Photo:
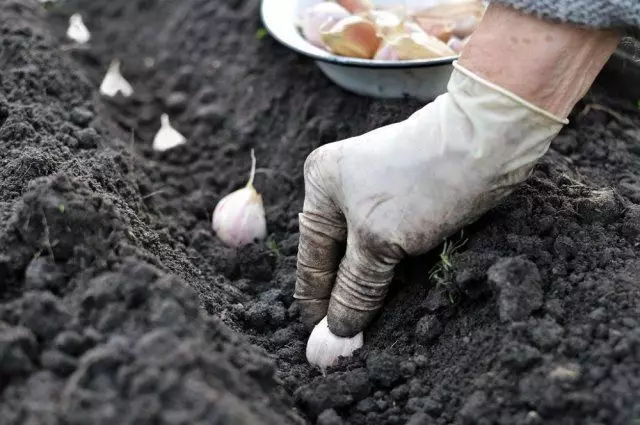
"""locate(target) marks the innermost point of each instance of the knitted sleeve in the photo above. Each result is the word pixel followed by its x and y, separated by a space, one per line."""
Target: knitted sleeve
pixel 619 14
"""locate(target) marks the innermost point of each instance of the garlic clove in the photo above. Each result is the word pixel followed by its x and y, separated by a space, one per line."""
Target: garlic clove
pixel 239 218
pixel 114 83
pixel 356 6
pixel 442 30
pixel 413 46
pixel 453 9
pixel 410 27
pixel 352 36
pixel 386 22
pixel 456 44
pixel 324 348
pixel 463 28
pixel 461 17
pixel 316 17
pixel 77 30
pixel 167 137
pixel 387 52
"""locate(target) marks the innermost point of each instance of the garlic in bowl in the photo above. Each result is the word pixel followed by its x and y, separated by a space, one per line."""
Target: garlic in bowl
pixel 378 48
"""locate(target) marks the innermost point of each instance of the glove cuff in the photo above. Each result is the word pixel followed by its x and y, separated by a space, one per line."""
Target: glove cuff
pixel 507 93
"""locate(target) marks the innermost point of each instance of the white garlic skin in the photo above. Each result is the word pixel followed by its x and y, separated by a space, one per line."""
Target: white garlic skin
pixel 316 17
pixel 456 44
pixel 387 52
pixel 114 83
pixel 324 347
pixel 239 218
pixel 77 30
pixel 167 137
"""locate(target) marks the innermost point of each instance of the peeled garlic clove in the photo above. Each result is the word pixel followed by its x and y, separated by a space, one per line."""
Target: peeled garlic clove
pixel 114 83
pixel 353 36
pixel 77 30
pixel 167 137
pixel 356 6
pixel 316 17
pixel 239 218
pixel 386 22
pixel 324 348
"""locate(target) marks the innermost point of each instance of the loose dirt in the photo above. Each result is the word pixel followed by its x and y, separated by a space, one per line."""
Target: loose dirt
pixel 119 306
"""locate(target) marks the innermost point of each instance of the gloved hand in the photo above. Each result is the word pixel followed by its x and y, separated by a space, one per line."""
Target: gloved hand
pixel 401 189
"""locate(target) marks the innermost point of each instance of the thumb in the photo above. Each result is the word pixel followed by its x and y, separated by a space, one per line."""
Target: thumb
pixel 361 285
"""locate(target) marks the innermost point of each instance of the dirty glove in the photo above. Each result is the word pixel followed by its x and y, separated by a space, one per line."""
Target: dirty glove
pixel 401 189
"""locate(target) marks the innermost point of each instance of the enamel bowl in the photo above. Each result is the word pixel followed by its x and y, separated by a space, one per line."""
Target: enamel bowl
pixel 423 79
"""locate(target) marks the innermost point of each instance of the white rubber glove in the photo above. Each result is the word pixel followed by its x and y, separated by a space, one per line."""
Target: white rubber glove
pixel 401 189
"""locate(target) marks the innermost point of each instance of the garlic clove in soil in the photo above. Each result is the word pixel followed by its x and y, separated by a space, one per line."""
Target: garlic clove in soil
pixel 77 30
pixel 324 348
pixel 239 218
pixel 316 17
pixel 114 83
pixel 353 36
pixel 167 137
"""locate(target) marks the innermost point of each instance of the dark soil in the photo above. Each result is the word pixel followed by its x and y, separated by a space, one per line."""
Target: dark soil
pixel 119 306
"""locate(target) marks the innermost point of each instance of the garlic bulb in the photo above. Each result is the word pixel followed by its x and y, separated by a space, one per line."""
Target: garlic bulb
pixel 316 17
pixel 77 30
pixel 167 137
pixel 114 82
pixel 239 218
pixel 352 36
pixel 324 348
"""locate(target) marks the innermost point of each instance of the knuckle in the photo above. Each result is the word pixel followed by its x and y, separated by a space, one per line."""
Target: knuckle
pixel 323 160
pixel 320 183
pixel 314 161
pixel 383 247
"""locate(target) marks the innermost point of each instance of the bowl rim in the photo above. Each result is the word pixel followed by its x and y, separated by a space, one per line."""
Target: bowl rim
pixel 348 61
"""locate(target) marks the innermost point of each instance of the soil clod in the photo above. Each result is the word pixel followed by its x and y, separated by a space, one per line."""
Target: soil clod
pixel 517 282
pixel 118 305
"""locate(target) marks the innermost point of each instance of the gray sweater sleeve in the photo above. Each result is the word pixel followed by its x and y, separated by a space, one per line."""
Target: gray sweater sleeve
pixel 619 14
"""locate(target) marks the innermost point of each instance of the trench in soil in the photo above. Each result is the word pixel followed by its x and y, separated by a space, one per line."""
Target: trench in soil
pixel 118 305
